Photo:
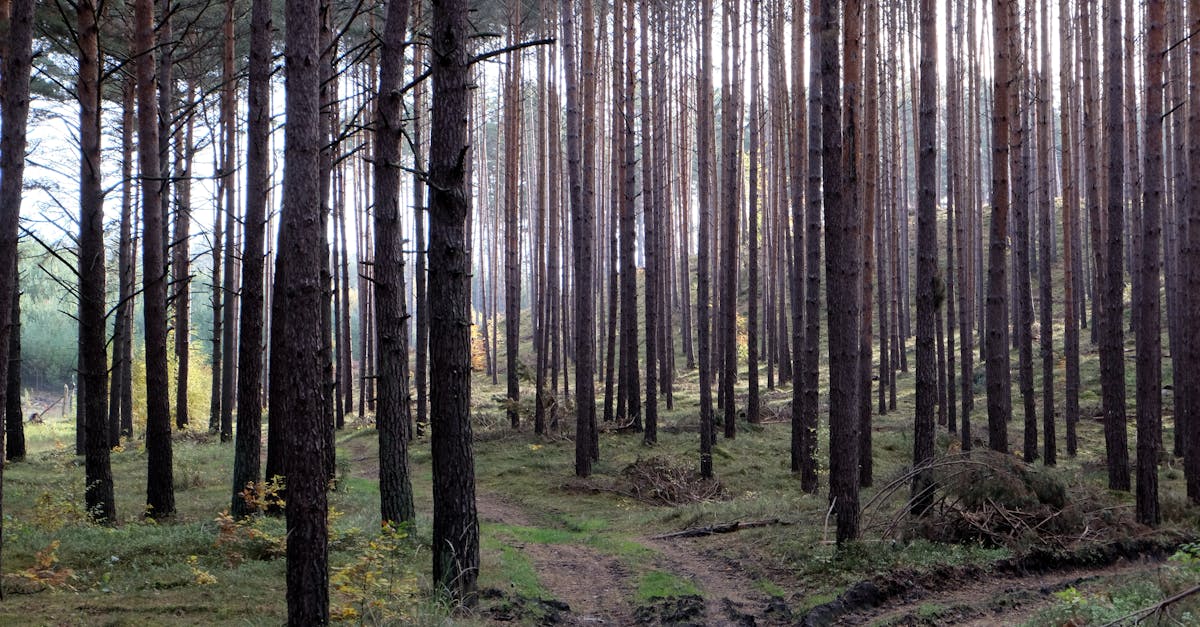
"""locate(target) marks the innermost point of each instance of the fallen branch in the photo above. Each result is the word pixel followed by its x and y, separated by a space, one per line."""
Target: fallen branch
pixel 1147 612
pixel 697 532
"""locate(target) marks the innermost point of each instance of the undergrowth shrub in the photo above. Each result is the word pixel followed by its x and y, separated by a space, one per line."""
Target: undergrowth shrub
pixel 379 586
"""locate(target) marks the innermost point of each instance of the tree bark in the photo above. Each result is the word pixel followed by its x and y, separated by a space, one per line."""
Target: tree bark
pixel 297 376
pixel 704 147
pixel 93 358
pixel 1148 331
pixel 455 523
pixel 1112 335
pixel 999 382
pixel 160 485
pixel 927 263
pixel 247 446
pixel 392 407
pixel 843 264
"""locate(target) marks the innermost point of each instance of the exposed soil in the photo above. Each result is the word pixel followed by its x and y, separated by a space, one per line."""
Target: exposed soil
pixel 730 597
pixel 590 588
pixel 1006 592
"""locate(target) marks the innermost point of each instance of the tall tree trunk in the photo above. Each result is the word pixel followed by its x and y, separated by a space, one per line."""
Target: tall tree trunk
pixel 160 485
pixel 844 262
pixel 1148 332
pixel 999 382
pixel 730 199
pixel 513 112
pixel 455 523
pixel 927 263
pixel 93 357
pixel 581 244
pixel 247 447
pixel 1070 219
pixel 629 393
pixel 650 213
pixel 617 177
pixel 870 190
pixel 297 377
pixel 392 408
pixel 1019 172
pixel 1112 336
pixel 704 152
pixel 229 172
pixel 1188 388
pixel 753 408
pixel 128 272
pixel 14 91
pixel 419 208
pixel 812 244
pixel 181 264
pixel 1045 230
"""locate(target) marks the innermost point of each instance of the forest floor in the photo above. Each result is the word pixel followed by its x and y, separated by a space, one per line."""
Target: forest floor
pixel 561 550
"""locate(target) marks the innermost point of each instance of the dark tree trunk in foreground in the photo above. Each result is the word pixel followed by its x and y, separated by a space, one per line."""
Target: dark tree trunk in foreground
pixel 15 93
pixel 999 376
pixel 1071 249
pixel 651 218
pixel 843 264
pixel 160 483
pixel 753 403
pixel 581 235
pixel 927 270
pixel 228 286
pixel 93 357
pixel 1189 260
pixel 392 407
pixel 870 148
pixel 247 444
pixel 1112 335
pixel 297 372
pixel 1148 331
pixel 512 215
pixel 704 145
pixel 731 174
pixel 1045 230
pixel 808 378
pixel 797 148
pixel 455 523
pixel 1020 176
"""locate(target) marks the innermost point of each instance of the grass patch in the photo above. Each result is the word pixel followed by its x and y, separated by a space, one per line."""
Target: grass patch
pixel 657 584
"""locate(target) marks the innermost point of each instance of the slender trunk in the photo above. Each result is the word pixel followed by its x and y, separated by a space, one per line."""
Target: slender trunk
pixel 247 447
pixel 1112 336
pixel 704 151
pixel 927 264
pixel 93 357
pixel 1148 332
pixel 392 414
pixel 999 381
pixel 160 485
pixel 844 262
pixel 1045 229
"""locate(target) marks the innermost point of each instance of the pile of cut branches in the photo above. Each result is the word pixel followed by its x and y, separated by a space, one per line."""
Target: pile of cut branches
pixel 997 500
pixel 663 481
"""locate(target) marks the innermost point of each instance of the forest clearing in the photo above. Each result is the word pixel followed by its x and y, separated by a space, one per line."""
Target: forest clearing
pixel 629 312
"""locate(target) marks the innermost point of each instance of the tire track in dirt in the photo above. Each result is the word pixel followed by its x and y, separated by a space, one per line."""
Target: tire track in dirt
pixel 730 597
pixel 597 587
pixel 986 601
